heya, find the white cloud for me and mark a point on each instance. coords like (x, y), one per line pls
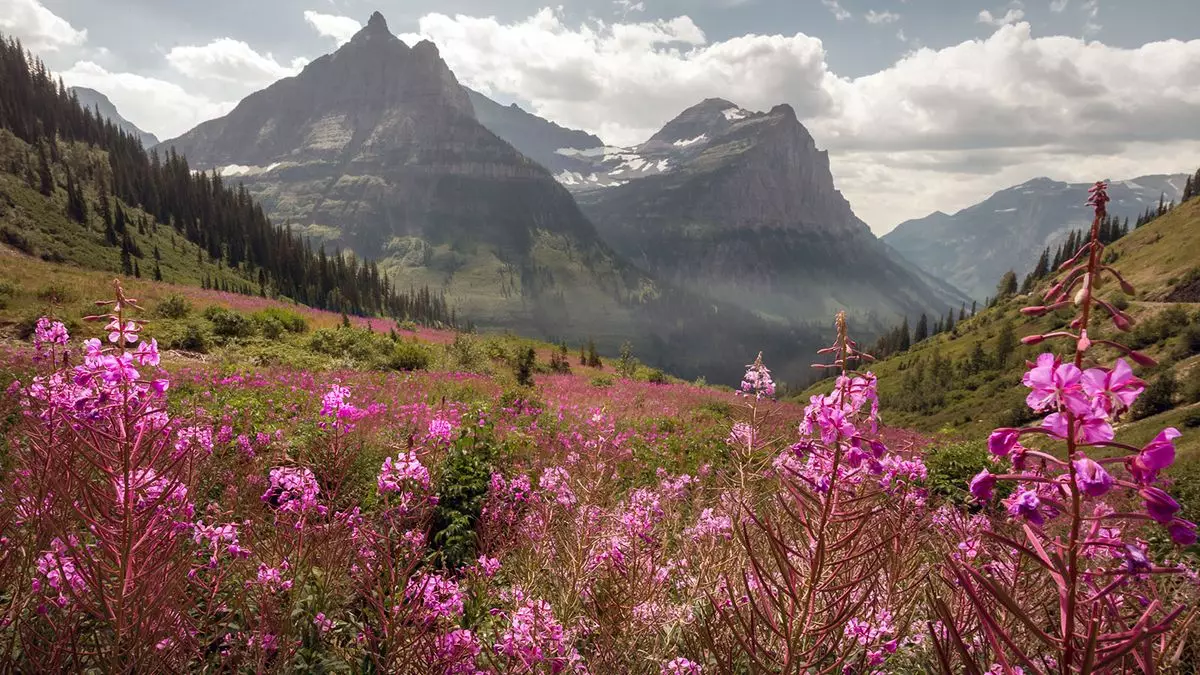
(158, 106)
(340, 28)
(838, 11)
(230, 61)
(1011, 16)
(938, 129)
(625, 80)
(628, 6)
(38, 28)
(881, 17)
(1058, 6)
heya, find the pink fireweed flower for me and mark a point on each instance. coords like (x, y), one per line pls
(1025, 504)
(323, 623)
(1091, 478)
(116, 332)
(457, 651)
(1112, 390)
(1156, 456)
(440, 597)
(556, 483)
(741, 435)
(680, 666)
(1055, 384)
(293, 489)
(1159, 504)
(982, 485)
(1182, 532)
(146, 353)
(441, 429)
(57, 567)
(757, 382)
(1001, 441)
(1088, 430)
(402, 473)
(487, 566)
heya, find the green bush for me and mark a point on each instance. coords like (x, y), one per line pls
(951, 468)
(465, 354)
(190, 336)
(524, 367)
(7, 291)
(410, 356)
(602, 381)
(462, 487)
(281, 319)
(656, 376)
(228, 323)
(359, 344)
(1158, 397)
(173, 307)
(56, 294)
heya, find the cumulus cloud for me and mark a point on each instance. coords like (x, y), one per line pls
(839, 12)
(38, 28)
(155, 105)
(625, 80)
(1011, 16)
(881, 17)
(340, 28)
(938, 129)
(1058, 6)
(230, 61)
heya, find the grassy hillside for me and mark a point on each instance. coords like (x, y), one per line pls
(968, 381)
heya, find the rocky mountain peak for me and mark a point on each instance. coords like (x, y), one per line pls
(376, 28)
(708, 118)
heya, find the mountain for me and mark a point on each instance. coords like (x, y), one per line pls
(541, 140)
(94, 100)
(376, 149)
(972, 248)
(741, 205)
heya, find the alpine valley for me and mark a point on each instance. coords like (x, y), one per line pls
(377, 150)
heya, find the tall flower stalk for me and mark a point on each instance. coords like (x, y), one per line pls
(1077, 513)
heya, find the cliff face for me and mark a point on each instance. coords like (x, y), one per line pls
(974, 247)
(543, 141)
(98, 102)
(743, 205)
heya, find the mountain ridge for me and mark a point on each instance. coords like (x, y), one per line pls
(94, 100)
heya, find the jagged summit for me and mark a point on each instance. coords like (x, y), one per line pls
(377, 23)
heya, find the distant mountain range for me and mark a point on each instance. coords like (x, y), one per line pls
(94, 100)
(972, 248)
(377, 149)
(541, 140)
(741, 205)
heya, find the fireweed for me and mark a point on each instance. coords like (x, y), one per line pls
(830, 563)
(1070, 585)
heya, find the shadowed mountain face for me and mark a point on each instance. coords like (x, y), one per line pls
(376, 149)
(741, 205)
(95, 101)
(974, 247)
(545, 142)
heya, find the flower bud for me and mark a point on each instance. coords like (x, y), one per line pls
(1121, 322)
(1142, 360)
(1032, 339)
(1084, 342)
(1035, 310)
(1127, 288)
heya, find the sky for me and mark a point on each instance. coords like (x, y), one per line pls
(923, 105)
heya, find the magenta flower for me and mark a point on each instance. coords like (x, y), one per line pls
(1159, 504)
(116, 332)
(1091, 478)
(1088, 430)
(1001, 441)
(680, 666)
(1183, 532)
(1156, 456)
(146, 354)
(1054, 384)
(1025, 504)
(1136, 560)
(982, 485)
(1112, 390)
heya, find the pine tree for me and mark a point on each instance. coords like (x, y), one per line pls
(922, 330)
(972, 308)
(1007, 285)
(1042, 269)
(905, 339)
(137, 270)
(157, 272)
(46, 178)
(126, 260)
(1006, 343)
(1187, 189)
(950, 320)
(962, 312)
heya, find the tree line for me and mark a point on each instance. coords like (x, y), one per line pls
(221, 219)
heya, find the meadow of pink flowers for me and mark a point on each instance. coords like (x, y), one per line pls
(185, 519)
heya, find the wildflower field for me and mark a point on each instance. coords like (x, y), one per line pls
(166, 514)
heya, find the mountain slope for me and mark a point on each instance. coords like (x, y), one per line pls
(543, 141)
(95, 101)
(972, 248)
(375, 148)
(742, 206)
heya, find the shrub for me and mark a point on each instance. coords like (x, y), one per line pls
(174, 306)
(656, 376)
(56, 294)
(523, 368)
(228, 323)
(602, 381)
(1158, 397)
(190, 336)
(7, 291)
(280, 320)
(359, 344)
(461, 488)
(466, 354)
(410, 356)
(951, 468)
